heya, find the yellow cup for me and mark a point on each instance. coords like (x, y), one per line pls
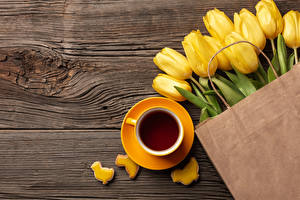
(138, 123)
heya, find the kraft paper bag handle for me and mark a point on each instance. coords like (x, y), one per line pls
(242, 41)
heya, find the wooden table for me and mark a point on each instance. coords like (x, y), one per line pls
(69, 72)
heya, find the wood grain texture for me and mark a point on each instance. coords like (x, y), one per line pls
(41, 90)
(69, 72)
(94, 57)
(56, 165)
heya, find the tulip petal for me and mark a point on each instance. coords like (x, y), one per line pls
(269, 18)
(198, 53)
(173, 63)
(246, 24)
(291, 30)
(215, 44)
(218, 24)
(164, 85)
(242, 56)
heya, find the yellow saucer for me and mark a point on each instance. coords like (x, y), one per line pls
(138, 154)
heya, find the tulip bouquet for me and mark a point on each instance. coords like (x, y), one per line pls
(236, 71)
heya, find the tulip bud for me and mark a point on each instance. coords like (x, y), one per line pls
(269, 18)
(218, 24)
(291, 30)
(164, 85)
(173, 63)
(242, 56)
(247, 25)
(199, 52)
(223, 61)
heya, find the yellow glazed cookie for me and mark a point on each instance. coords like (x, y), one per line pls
(131, 167)
(188, 174)
(102, 173)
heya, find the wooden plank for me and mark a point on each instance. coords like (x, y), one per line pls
(81, 65)
(44, 91)
(38, 97)
(96, 103)
(115, 42)
(92, 29)
(56, 165)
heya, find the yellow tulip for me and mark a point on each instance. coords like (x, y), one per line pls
(164, 85)
(247, 25)
(199, 52)
(291, 30)
(218, 24)
(269, 18)
(173, 63)
(223, 61)
(242, 56)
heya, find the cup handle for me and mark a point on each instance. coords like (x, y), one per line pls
(131, 121)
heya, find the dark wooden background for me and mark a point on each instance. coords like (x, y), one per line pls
(69, 72)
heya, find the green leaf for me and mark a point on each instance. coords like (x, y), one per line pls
(228, 82)
(204, 115)
(256, 83)
(271, 75)
(260, 78)
(196, 100)
(211, 99)
(282, 54)
(231, 95)
(245, 84)
(291, 61)
(232, 77)
(262, 71)
(275, 62)
(198, 93)
(210, 92)
(242, 82)
(204, 82)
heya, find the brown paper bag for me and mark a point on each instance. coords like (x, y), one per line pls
(255, 145)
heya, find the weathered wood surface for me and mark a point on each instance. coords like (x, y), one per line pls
(56, 165)
(69, 71)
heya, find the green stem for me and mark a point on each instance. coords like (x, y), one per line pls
(273, 46)
(262, 72)
(196, 101)
(296, 55)
(262, 80)
(204, 115)
(198, 84)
